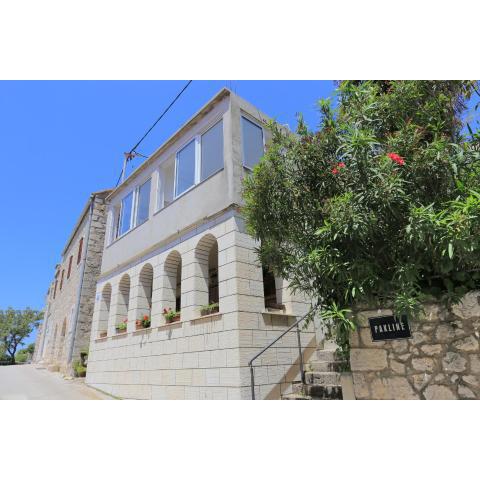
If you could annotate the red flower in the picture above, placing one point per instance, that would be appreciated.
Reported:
(396, 158)
(334, 170)
(145, 317)
(341, 165)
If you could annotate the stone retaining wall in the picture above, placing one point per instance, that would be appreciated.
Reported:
(440, 361)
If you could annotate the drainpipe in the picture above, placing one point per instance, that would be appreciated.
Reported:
(80, 286)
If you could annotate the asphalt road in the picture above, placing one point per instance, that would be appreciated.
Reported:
(26, 382)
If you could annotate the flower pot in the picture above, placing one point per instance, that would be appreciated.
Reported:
(176, 318)
(103, 334)
(209, 311)
(120, 330)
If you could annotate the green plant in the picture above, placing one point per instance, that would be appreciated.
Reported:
(383, 200)
(78, 369)
(170, 315)
(122, 326)
(209, 309)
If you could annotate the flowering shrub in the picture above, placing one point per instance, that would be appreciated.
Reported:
(382, 201)
(144, 322)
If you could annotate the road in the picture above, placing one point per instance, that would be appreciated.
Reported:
(26, 382)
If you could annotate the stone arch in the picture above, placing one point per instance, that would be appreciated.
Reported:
(123, 299)
(206, 255)
(105, 302)
(272, 289)
(173, 273)
(145, 290)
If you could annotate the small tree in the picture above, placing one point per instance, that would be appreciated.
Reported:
(15, 326)
(379, 206)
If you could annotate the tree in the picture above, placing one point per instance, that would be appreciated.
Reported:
(379, 206)
(15, 326)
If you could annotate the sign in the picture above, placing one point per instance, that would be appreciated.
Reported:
(389, 328)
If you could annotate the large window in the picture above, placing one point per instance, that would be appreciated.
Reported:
(212, 151)
(252, 143)
(126, 214)
(185, 170)
(143, 203)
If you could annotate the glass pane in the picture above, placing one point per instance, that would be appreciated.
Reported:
(126, 213)
(143, 202)
(252, 136)
(185, 168)
(212, 150)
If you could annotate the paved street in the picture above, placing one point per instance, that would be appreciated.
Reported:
(25, 382)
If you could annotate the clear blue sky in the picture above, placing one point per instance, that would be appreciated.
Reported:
(62, 140)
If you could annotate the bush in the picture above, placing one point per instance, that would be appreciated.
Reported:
(382, 201)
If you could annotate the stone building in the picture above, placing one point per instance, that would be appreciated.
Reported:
(181, 303)
(65, 330)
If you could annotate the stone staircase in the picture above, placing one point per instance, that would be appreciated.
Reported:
(322, 379)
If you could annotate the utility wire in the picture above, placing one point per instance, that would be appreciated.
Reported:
(129, 154)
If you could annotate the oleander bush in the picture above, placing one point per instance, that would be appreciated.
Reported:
(380, 205)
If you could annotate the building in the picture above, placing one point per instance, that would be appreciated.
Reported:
(65, 331)
(182, 304)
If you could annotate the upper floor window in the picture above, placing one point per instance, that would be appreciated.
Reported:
(143, 203)
(252, 143)
(125, 220)
(199, 159)
(61, 279)
(185, 168)
(80, 248)
(212, 150)
(69, 271)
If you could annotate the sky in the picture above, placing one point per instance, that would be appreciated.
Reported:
(62, 140)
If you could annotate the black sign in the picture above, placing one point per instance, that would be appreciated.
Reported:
(389, 328)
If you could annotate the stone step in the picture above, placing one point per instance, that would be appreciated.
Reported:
(322, 378)
(326, 355)
(325, 366)
(318, 392)
(295, 396)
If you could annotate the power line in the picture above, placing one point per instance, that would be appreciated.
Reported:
(132, 153)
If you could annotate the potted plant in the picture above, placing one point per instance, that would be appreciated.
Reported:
(102, 334)
(145, 322)
(171, 315)
(209, 309)
(121, 327)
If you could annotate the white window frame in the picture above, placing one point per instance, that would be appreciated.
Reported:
(196, 177)
(250, 119)
(198, 157)
(136, 202)
(132, 216)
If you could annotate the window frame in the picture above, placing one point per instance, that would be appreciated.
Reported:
(69, 270)
(137, 203)
(248, 118)
(197, 138)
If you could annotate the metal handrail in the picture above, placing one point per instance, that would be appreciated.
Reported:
(302, 371)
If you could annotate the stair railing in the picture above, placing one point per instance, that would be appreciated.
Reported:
(302, 370)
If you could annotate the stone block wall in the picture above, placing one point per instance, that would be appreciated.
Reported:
(440, 361)
(196, 357)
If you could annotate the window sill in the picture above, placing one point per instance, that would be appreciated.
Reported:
(207, 317)
(187, 192)
(278, 313)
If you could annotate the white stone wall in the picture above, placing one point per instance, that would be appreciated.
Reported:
(198, 357)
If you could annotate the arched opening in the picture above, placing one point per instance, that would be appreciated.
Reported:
(144, 306)
(104, 310)
(206, 254)
(173, 294)
(270, 290)
(123, 304)
(54, 342)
